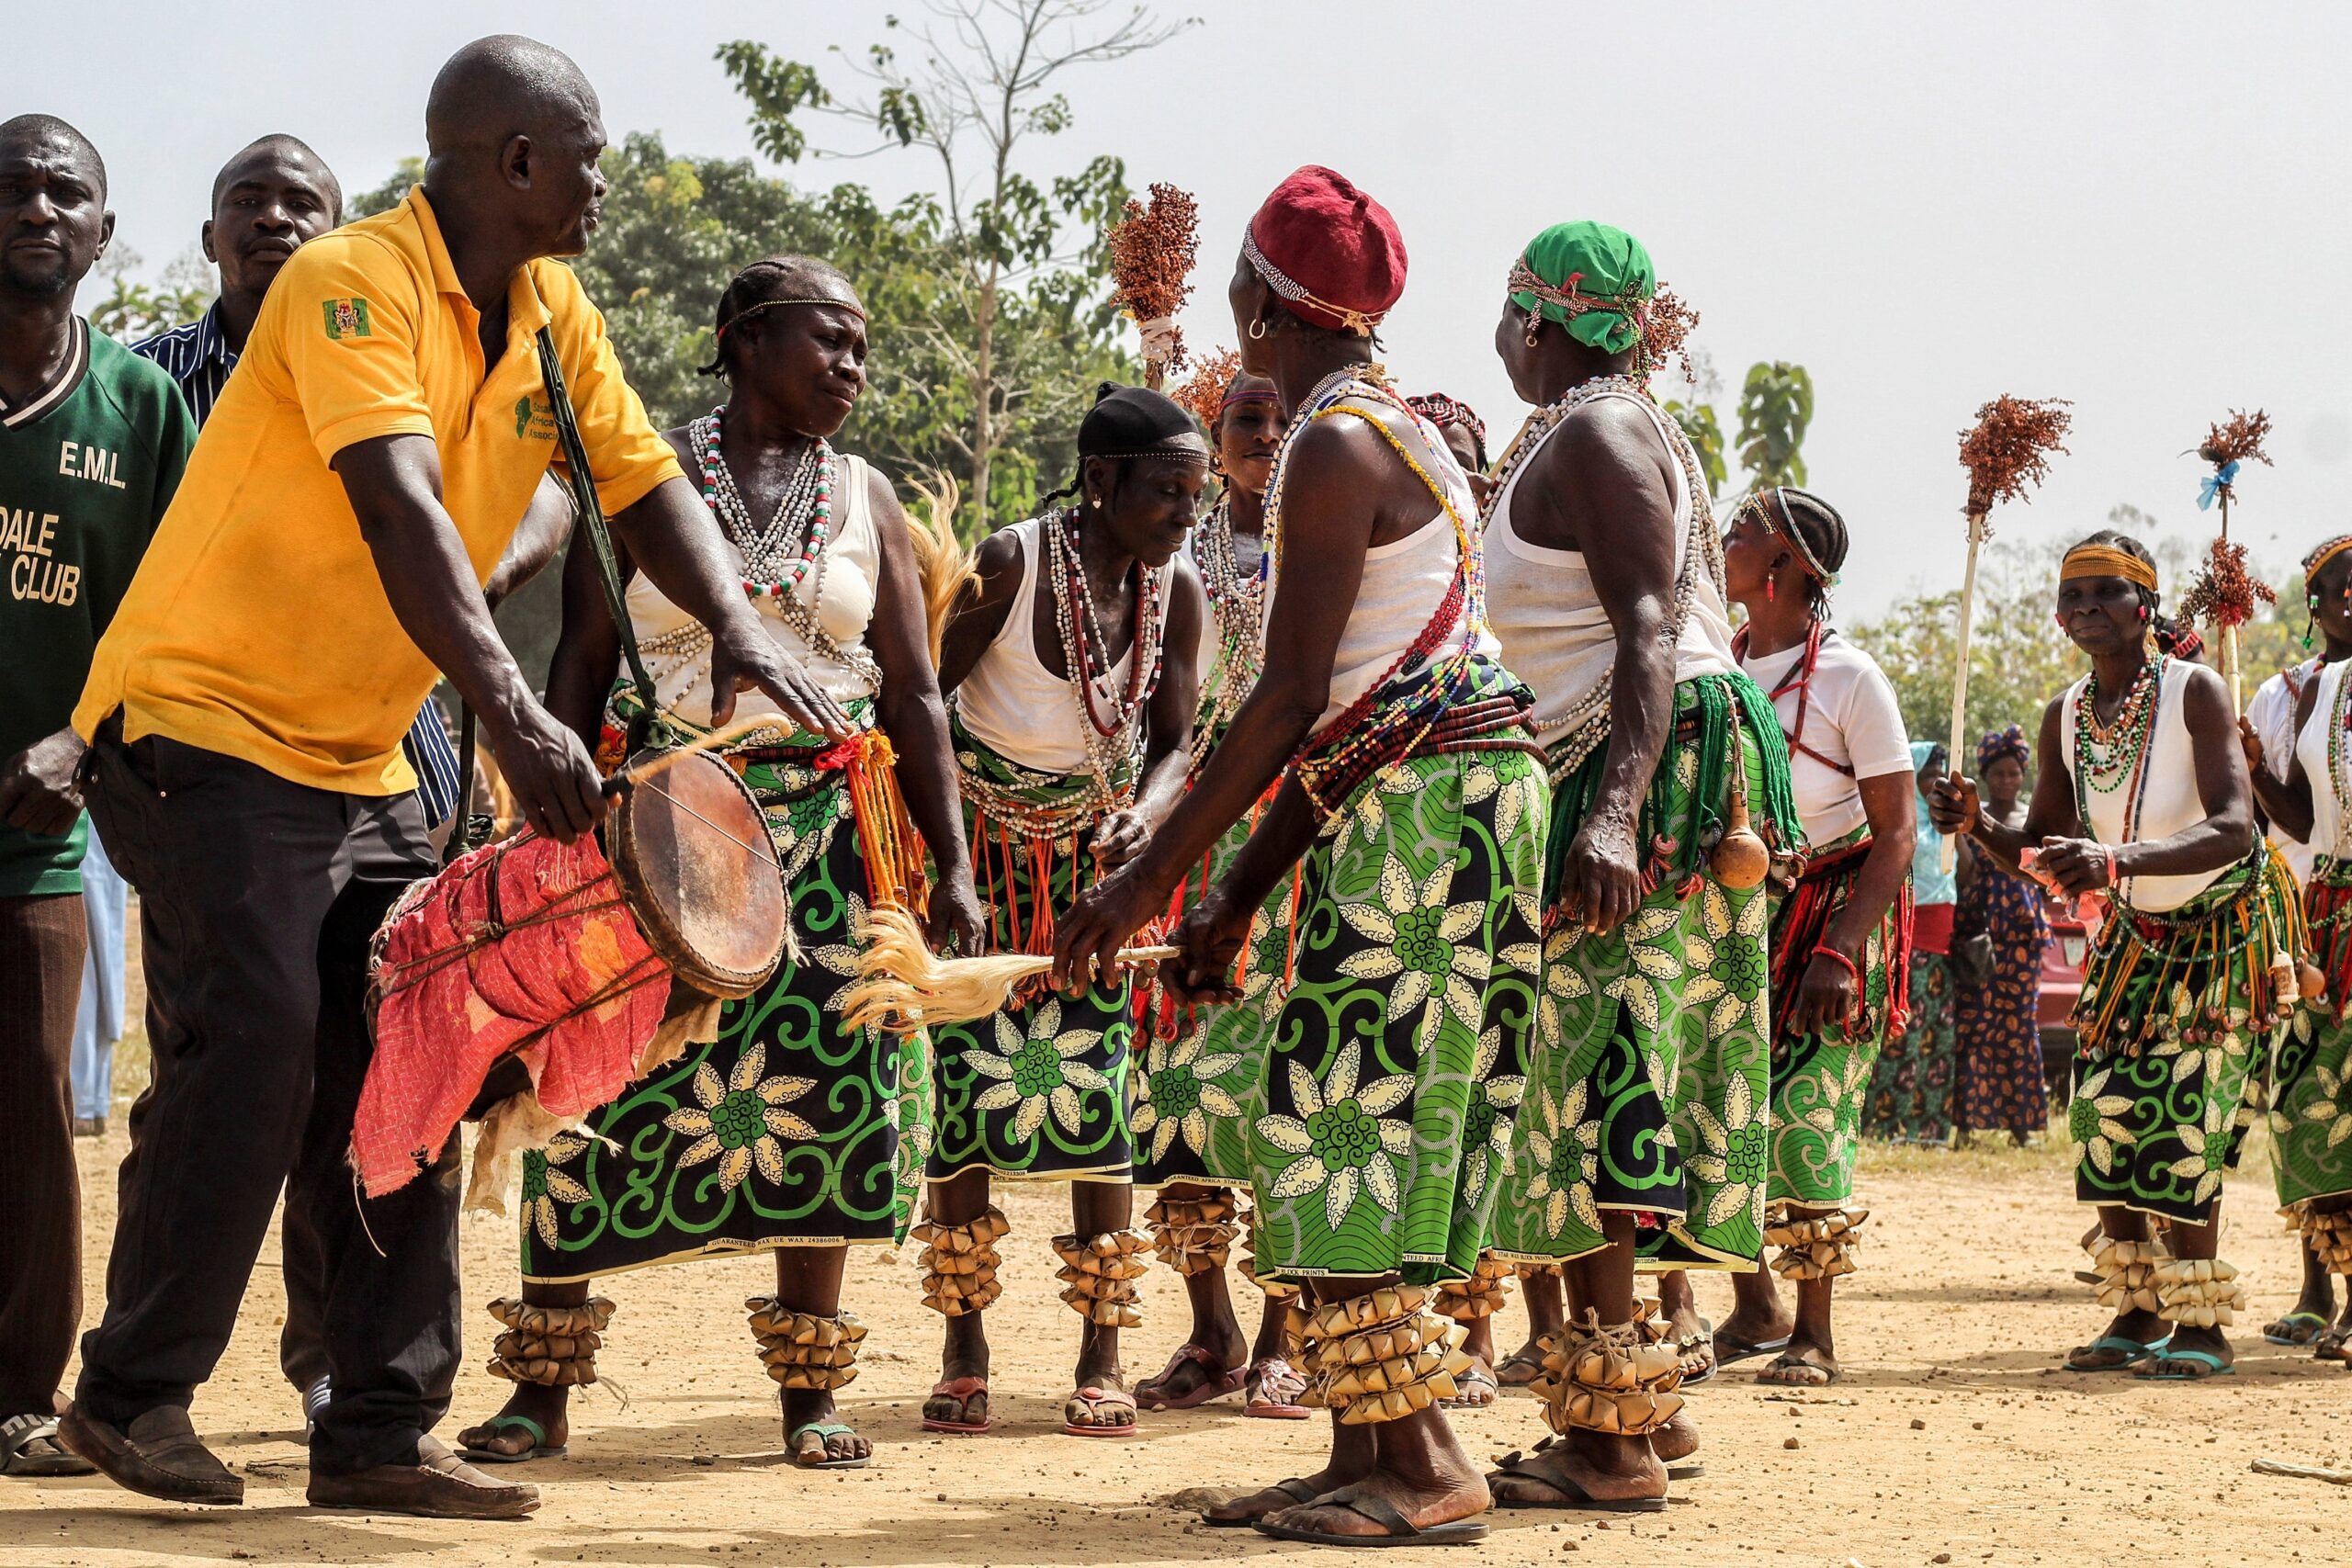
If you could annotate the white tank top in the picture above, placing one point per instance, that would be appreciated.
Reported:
(852, 566)
(1403, 583)
(1013, 704)
(2330, 782)
(2168, 802)
(1554, 634)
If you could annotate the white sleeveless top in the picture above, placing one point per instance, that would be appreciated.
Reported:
(1554, 634)
(852, 568)
(2168, 802)
(1403, 583)
(1013, 704)
(2271, 711)
(2330, 782)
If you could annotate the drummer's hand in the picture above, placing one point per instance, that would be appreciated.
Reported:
(38, 790)
(956, 923)
(553, 778)
(742, 661)
(1119, 838)
(1211, 935)
(1087, 941)
(1952, 805)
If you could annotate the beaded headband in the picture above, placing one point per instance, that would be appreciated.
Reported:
(1785, 526)
(1359, 322)
(1441, 410)
(1268, 396)
(1630, 301)
(2327, 551)
(744, 315)
(2104, 561)
(1169, 454)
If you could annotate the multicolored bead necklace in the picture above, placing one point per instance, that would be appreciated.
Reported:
(778, 557)
(1238, 599)
(2114, 757)
(1108, 744)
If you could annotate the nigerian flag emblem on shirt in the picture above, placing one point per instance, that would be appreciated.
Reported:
(346, 318)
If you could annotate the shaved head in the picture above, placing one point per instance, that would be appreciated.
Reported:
(28, 130)
(274, 153)
(499, 87)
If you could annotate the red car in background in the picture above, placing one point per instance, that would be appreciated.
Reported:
(2062, 982)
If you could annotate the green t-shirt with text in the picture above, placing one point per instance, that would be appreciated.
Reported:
(87, 469)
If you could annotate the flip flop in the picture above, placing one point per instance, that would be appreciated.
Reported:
(1217, 1386)
(2214, 1368)
(960, 1390)
(2136, 1352)
(1573, 1496)
(28, 1446)
(1463, 1400)
(2330, 1346)
(1297, 1489)
(1730, 1350)
(1278, 1373)
(824, 1429)
(1097, 1399)
(1705, 1336)
(1518, 1359)
(2316, 1321)
(1789, 1360)
(1401, 1531)
(540, 1447)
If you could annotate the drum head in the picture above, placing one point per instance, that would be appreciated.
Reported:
(700, 874)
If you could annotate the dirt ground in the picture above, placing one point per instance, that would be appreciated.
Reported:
(1952, 1438)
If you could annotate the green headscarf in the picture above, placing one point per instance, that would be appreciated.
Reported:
(1597, 308)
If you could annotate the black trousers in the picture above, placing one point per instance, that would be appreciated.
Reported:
(41, 1195)
(257, 900)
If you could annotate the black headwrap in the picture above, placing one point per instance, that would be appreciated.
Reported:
(1135, 422)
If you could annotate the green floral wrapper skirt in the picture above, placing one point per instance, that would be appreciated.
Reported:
(785, 1131)
(2176, 1020)
(1038, 1090)
(1397, 1055)
(1646, 1087)
(2310, 1109)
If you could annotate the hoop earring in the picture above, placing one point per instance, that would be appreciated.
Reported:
(1257, 329)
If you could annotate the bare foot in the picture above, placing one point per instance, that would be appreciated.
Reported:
(503, 1436)
(1676, 1440)
(1588, 1469)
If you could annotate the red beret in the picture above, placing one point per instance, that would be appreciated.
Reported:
(1330, 252)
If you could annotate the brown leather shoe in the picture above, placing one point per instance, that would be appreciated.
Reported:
(158, 1454)
(440, 1485)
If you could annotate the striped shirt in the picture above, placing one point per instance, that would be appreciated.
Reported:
(198, 357)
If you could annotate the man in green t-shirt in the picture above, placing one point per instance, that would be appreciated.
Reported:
(92, 442)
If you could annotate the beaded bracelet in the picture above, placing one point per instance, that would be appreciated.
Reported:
(1826, 951)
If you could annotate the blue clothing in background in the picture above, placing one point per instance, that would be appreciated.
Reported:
(106, 899)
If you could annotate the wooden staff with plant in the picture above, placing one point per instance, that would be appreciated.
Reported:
(2224, 594)
(1152, 249)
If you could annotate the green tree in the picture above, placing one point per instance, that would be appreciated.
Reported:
(134, 311)
(1775, 410)
(1013, 267)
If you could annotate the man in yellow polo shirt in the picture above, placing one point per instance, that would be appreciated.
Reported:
(323, 562)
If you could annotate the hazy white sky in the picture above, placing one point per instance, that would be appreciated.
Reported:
(2140, 207)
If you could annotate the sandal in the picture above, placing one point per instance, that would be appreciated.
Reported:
(2135, 1351)
(2296, 1328)
(1401, 1531)
(1296, 1488)
(961, 1390)
(540, 1447)
(2214, 1367)
(1789, 1361)
(1730, 1349)
(824, 1429)
(1220, 1381)
(28, 1446)
(1688, 1347)
(1275, 1396)
(1571, 1494)
(1534, 1365)
(2331, 1346)
(1102, 1399)
(1474, 1390)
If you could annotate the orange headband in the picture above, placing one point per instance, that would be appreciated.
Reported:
(2104, 561)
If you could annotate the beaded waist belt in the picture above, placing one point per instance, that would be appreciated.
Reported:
(1491, 723)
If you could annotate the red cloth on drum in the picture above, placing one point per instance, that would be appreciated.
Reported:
(558, 971)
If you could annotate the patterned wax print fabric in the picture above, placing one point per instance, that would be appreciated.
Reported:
(1821, 1080)
(2311, 1109)
(1995, 1026)
(2177, 1033)
(1038, 1090)
(1647, 1086)
(1911, 1087)
(1398, 1051)
(788, 1130)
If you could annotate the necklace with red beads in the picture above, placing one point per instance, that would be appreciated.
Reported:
(1114, 741)
(778, 557)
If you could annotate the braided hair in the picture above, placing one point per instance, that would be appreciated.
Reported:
(1821, 538)
(766, 285)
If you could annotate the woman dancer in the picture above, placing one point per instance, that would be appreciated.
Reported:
(1071, 669)
(1841, 939)
(1646, 1086)
(1192, 1132)
(1911, 1087)
(2001, 1083)
(2143, 799)
(1398, 1045)
(786, 1134)
(1464, 433)
(2311, 805)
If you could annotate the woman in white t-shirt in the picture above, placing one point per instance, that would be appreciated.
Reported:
(1840, 941)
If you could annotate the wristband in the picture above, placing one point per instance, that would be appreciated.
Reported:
(1826, 951)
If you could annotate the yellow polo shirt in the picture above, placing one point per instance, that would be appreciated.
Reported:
(256, 626)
